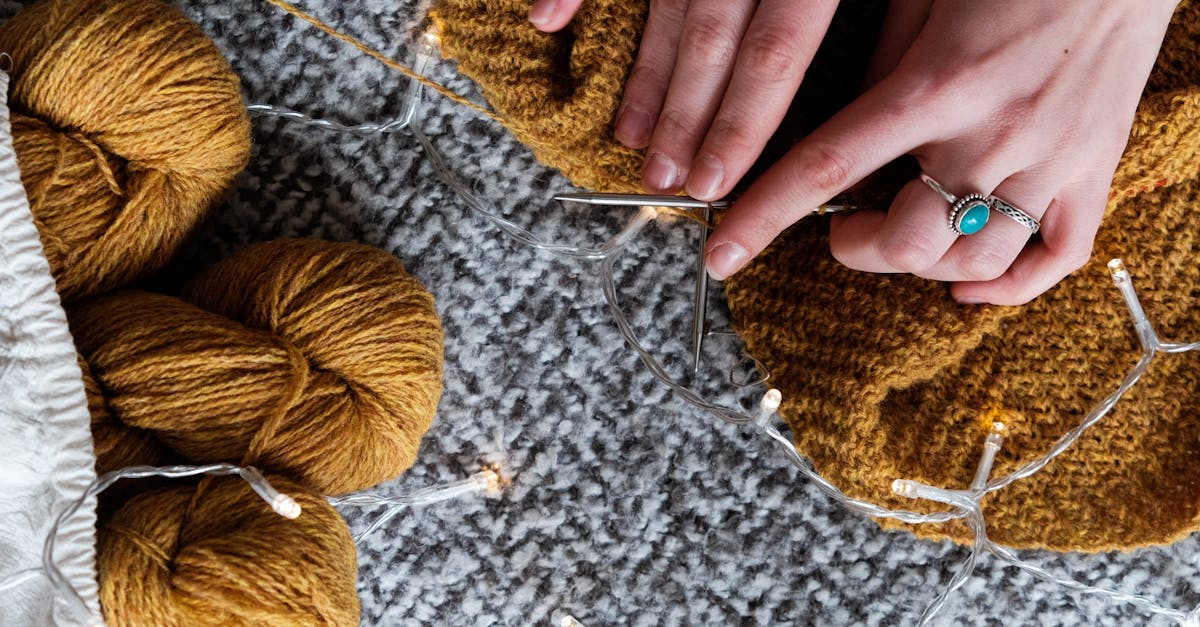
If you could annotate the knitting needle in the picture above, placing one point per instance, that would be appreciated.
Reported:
(700, 306)
(665, 200)
(641, 200)
(700, 309)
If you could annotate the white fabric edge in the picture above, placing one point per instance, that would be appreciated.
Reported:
(61, 397)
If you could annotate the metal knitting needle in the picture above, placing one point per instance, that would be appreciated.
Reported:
(700, 308)
(665, 200)
(641, 200)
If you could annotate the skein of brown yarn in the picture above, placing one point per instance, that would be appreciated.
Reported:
(127, 123)
(319, 360)
(116, 444)
(216, 554)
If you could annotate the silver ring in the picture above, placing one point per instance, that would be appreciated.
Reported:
(969, 214)
(1022, 218)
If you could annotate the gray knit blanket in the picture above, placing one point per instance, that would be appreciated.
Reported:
(627, 506)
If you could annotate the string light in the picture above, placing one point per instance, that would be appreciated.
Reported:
(80, 613)
(488, 482)
(962, 504)
(569, 621)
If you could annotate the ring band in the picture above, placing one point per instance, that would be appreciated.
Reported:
(1022, 218)
(969, 214)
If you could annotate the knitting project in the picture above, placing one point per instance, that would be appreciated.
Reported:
(885, 376)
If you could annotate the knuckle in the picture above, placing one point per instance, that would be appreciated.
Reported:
(673, 9)
(1076, 258)
(673, 126)
(709, 39)
(645, 76)
(910, 251)
(770, 55)
(823, 167)
(729, 134)
(984, 264)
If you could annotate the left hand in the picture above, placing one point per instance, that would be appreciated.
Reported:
(1029, 100)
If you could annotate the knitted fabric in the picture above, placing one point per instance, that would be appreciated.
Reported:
(557, 93)
(885, 376)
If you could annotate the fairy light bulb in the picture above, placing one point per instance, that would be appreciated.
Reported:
(991, 446)
(1141, 322)
(767, 407)
(491, 481)
(905, 488)
(283, 504)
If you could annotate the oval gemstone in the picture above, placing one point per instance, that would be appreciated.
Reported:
(973, 217)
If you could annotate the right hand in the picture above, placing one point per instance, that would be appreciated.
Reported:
(711, 84)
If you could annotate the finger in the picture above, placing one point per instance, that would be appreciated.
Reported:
(882, 124)
(911, 237)
(647, 85)
(901, 25)
(775, 52)
(553, 15)
(988, 254)
(708, 48)
(1068, 230)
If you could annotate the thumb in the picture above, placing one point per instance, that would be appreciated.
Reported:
(884, 123)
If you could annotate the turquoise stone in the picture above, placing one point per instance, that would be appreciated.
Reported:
(973, 217)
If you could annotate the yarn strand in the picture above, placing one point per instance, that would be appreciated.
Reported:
(379, 56)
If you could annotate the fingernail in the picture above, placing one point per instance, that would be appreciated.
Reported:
(542, 11)
(706, 178)
(660, 173)
(633, 126)
(724, 260)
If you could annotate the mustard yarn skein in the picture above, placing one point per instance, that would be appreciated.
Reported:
(318, 360)
(116, 444)
(216, 554)
(128, 124)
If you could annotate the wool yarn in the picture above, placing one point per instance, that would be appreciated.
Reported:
(115, 444)
(886, 377)
(318, 360)
(127, 124)
(557, 93)
(216, 554)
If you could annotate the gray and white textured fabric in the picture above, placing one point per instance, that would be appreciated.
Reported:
(45, 432)
(627, 506)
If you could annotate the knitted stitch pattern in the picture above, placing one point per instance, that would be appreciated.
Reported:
(885, 376)
(557, 93)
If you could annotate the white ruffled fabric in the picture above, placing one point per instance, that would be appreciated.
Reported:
(46, 457)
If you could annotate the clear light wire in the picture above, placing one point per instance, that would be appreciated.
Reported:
(281, 503)
(426, 49)
(963, 504)
(486, 481)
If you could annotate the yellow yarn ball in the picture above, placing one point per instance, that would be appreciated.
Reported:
(127, 124)
(319, 360)
(216, 554)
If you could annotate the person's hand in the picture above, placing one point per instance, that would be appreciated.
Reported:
(1027, 100)
(712, 81)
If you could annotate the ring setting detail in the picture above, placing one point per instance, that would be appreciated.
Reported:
(969, 214)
